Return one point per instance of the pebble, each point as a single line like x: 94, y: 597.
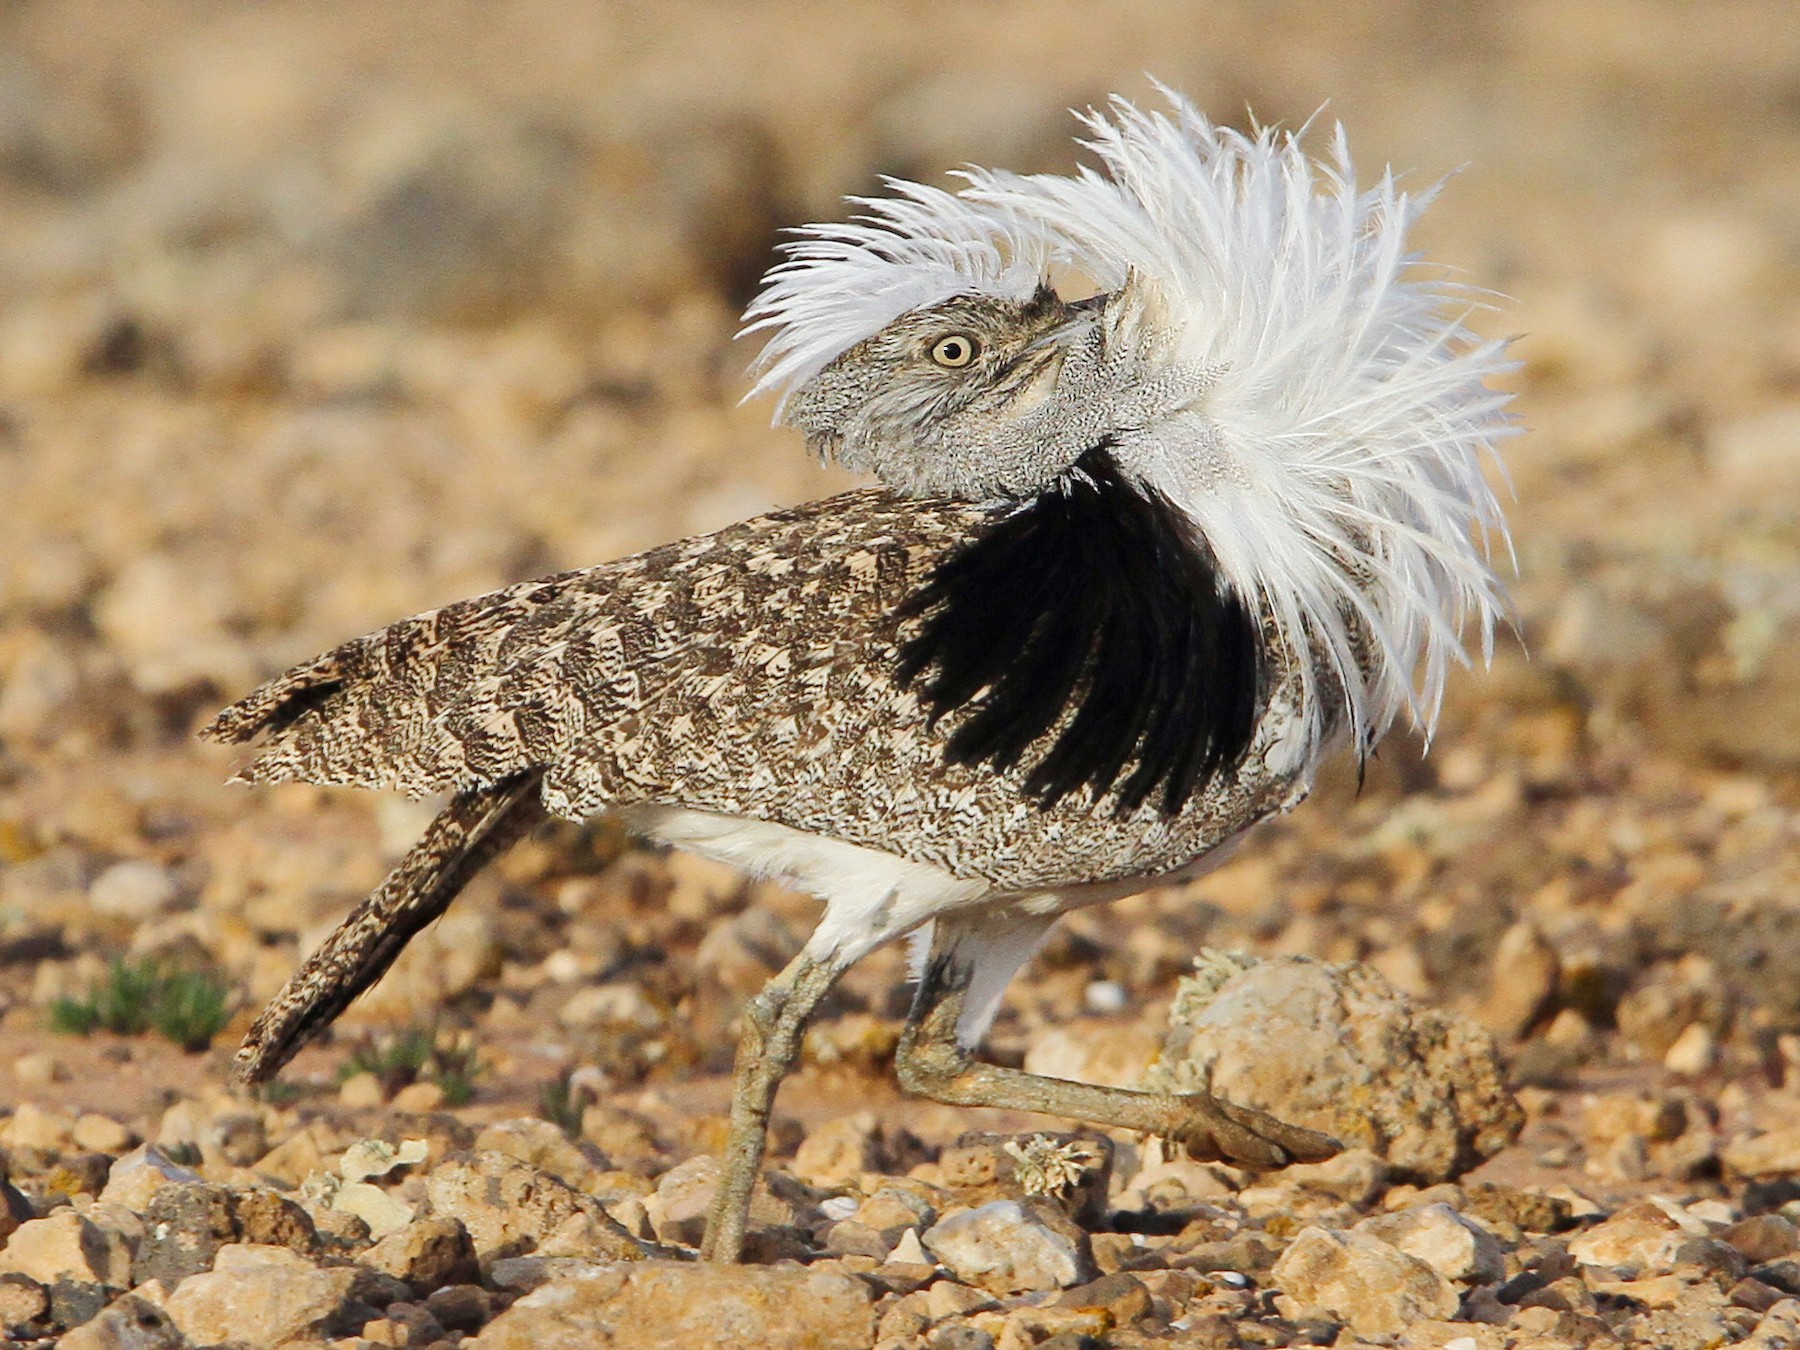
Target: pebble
x: 1373, y: 1286
x: 15, y: 1209
x: 39, y: 1069
x: 839, y: 1151
x: 421, y: 1098
x: 270, y: 1219
x: 22, y: 1300
x: 1006, y: 1248
x: 381, y: 1210
x: 361, y: 1091
x: 66, y: 1246
x: 1455, y: 1246
x: 1776, y: 1153
x: 426, y: 1253
x: 188, y: 1224
x: 621, y: 1005
x: 460, y: 1307
x: 909, y: 1250
x: 1122, y: 1297
x: 544, y: 1146
x: 1529, y: 1211
x: 683, y: 1198
x: 1105, y: 997
x: 1640, y: 1240
x: 654, y: 1305
x: 234, y: 1138
x: 1526, y: 976
x: 851, y: 1238
x: 100, y: 1134
x: 946, y: 1299
x: 370, y: 1158
x: 127, y: 1323
x: 900, y: 1204
x: 1693, y: 1052
x: 33, y: 1126
x: 134, y: 889
x: 1763, y: 1237
x: 139, y: 1174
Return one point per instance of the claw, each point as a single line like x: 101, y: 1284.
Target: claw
x: 1219, y: 1130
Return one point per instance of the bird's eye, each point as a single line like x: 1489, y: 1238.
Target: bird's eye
x: 954, y: 350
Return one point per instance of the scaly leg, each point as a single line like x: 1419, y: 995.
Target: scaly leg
x: 934, y: 1059
x: 767, y: 1047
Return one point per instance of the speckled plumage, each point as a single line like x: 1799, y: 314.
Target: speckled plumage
x: 751, y: 672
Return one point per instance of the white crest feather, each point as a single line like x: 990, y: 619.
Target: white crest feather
x: 845, y: 282
x: 1334, y: 460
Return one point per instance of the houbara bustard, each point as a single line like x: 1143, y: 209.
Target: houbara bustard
x: 1137, y: 562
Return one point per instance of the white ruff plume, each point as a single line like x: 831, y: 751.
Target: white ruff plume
x: 1333, y: 462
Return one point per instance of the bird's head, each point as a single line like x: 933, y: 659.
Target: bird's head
x: 1261, y: 351
x: 984, y: 396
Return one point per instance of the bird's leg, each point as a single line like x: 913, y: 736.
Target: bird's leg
x: 772, y: 1025
x: 933, y: 1061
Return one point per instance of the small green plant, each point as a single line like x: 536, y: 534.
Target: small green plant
x: 188, y: 1007
x: 281, y: 1092
x: 417, y: 1055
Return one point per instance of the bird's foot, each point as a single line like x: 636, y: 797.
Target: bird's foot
x: 1212, y: 1129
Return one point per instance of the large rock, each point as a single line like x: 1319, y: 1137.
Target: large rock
x: 1372, y: 1285
x: 652, y: 1305
x: 263, y: 1296
x: 511, y: 1209
x: 1339, y: 1049
x: 127, y: 1323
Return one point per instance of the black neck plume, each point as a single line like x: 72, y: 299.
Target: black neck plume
x: 1097, y: 600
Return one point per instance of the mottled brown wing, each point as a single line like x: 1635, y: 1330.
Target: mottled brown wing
x: 724, y: 671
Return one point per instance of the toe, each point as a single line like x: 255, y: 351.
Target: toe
x: 1300, y: 1143
x: 1253, y: 1138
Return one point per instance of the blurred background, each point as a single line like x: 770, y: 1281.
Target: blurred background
x: 313, y: 315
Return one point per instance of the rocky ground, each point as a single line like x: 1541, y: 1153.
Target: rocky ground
x: 312, y: 316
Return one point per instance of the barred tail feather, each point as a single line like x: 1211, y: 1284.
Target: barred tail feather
x: 474, y: 829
